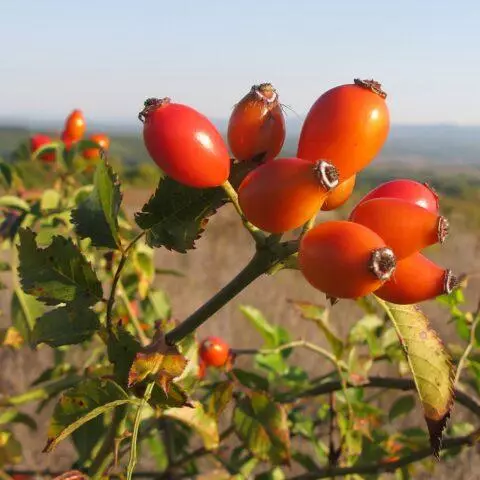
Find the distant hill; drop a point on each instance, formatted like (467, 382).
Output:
(415, 145)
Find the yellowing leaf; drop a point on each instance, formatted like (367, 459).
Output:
(195, 417)
(262, 425)
(429, 363)
(159, 360)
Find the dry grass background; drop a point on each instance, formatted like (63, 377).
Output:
(220, 254)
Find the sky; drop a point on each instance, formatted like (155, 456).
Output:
(107, 56)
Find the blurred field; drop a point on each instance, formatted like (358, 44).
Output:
(223, 251)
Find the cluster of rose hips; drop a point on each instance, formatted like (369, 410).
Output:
(73, 131)
(344, 130)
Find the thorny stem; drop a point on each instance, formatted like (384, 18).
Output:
(468, 350)
(263, 259)
(255, 232)
(136, 426)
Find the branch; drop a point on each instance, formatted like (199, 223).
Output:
(468, 350)
(377, 468)
(405, 384)
(295, 344)
(263, 259)
(255, 232)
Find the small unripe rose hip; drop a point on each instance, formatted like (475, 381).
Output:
(214, 352)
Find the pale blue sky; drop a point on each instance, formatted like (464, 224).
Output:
(107, 56)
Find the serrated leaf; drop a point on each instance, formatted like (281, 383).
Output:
(195, 417)
(87, 438)
(176, 397)
(219, 398)
(10, 449)
(58, 273)
(81, 404)
(122, 348)
(429, 363)
(401, 406)
(176, 215)
(66, 325)
(158, 360)
(319, 315)
(25, 310)
(262, 425)
(96, 217)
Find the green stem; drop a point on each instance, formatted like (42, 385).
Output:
(468, 350)
(255, 232)
(136, 426)
(104, 456)
(132, 316)
(295, 344)
(116, 279)
(258, 265)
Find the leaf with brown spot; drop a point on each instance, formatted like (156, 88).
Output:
(430, 364)
(263, 426)
(83, 403)
(158, 360)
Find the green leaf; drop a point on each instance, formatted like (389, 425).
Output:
(157, 450)
(96, 217)
(87, 438)
(402, 406)
(80, 404)
(176, 397)
(14, 416)
(274, 336)
(50, 200)
(429, 363)
(176, 215)
(219, 398)
(195, 417)
(57, 274)
(262, 425)
(10, 201)
(66, 325)
(6, 173)
(250, 379)
(319, 314)
(122, 348)
(275, 474)
(25, 310)
(10, 449)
